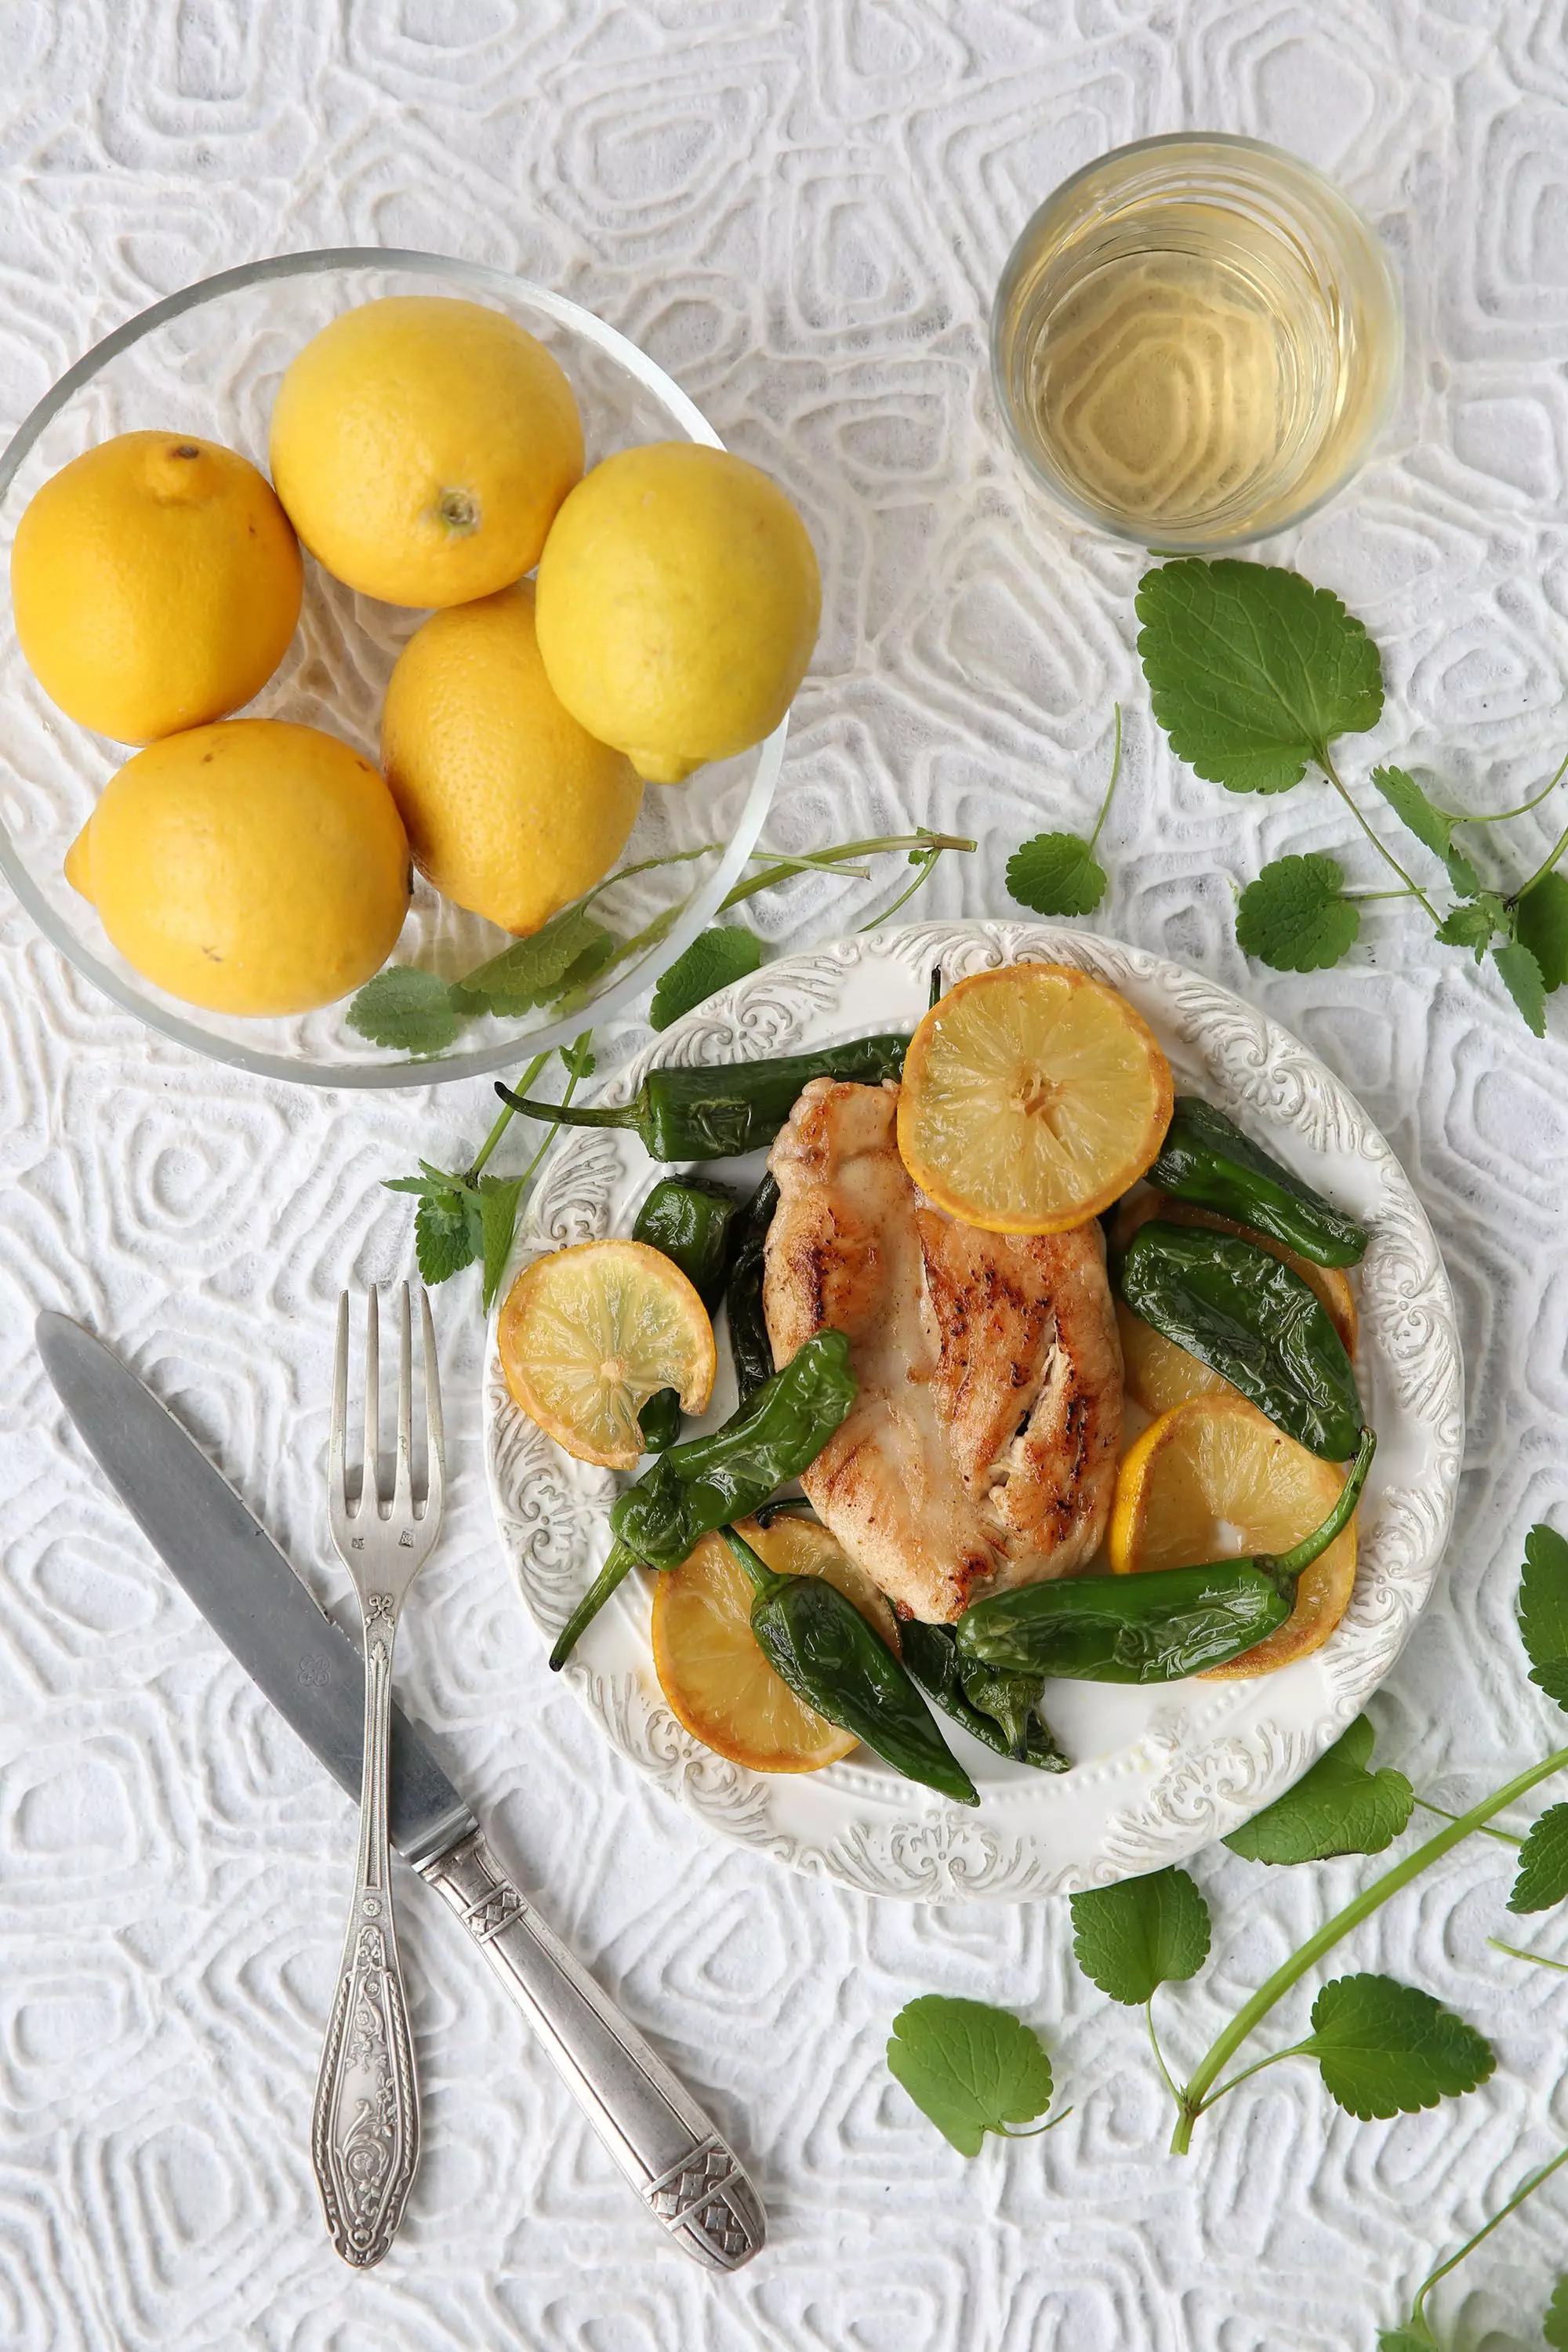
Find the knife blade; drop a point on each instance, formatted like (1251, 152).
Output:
(668, 2148)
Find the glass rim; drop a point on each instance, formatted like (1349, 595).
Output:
(1176, 542)
(441, 1069)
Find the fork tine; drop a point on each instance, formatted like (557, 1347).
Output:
(337, 1443)
(435, 1434)
(370, 1489)
(403, 1489)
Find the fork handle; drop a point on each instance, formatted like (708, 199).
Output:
(681, 2165)
(364, 2138)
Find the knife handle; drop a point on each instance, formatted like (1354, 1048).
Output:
(684, 2169)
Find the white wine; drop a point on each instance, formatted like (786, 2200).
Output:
(1196, 341)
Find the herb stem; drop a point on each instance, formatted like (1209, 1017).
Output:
(846, 851)
(508, 1115)
(1159, 2053)
(1256, 2067)
(1539, 1959)
(1290, 1973)
(1034, 2130)
(1501, 816)
(1326, 762)
(1503, 1837)
(1366, 898)
(1544, 869)
(1526, 2189)
(1115, 773)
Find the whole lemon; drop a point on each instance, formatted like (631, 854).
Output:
(679, 600)
(255, 866)
(512, 808)
(422, 445)
(156, 584)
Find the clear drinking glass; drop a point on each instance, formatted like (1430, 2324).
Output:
(1195, 340)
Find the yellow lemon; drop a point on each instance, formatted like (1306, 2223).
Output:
(589, 1333)
(156, 584)
(421, 446)
(679, 600)
(253, 866)
(512, 809)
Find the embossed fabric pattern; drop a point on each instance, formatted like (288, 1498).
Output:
(800, 212)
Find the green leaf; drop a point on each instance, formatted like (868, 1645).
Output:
(1555, 2327)
(539, 968)
(1295, 917)
(1146, 1932)
(578, 1059)
(1474, 924)
(1056, 873)
(1411, 2337)
(444, 1239)
(406, 1008)
(499, 1197)
(970, 2069)
(1388, 2049)
(1252, 670)
(714, 959)
(1544, 1610)
(1542, 927)
(1434, 827)
(1521, 976)
(1337, 1807)
(1542, 1863)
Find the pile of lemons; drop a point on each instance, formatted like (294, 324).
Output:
(426, 452)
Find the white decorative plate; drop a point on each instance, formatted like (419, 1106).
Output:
(1159, 1772)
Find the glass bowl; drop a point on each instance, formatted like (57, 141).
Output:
(208, 361)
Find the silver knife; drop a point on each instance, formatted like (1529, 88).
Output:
(682, 2167)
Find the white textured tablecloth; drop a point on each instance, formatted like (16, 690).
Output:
(800, 211)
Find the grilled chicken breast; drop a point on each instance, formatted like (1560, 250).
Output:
(981, 1451)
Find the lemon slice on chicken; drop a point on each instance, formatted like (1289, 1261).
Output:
(588, 1334)
(1031, 1099)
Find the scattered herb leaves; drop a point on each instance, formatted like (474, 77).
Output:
(1541, 926)
(1544, 1610)
(1130, 1938)
(1523, 979)
(970, 2069)
(1055, 873)
(1388, 2049)
(1433, 826)
(714, 959)
(1296, 917)
(1542, 1863)
(1475, 924)
(1336, 1807)
(408, 1010)
(1555, 2327)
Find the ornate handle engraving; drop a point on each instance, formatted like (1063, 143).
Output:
(365, 2134)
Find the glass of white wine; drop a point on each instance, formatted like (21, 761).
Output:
(1196, 341)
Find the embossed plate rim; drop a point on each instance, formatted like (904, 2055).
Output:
(1198, 1761)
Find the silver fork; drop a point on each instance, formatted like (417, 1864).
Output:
(365, 2133)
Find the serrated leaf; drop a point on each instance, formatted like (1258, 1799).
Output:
(1433, 826)
(1056, 873)
(1521, 978)
(1337, 1807)
(1474, 925)
(1542, 1877)
(435, 1186)
(410, 1010)
(1407, 2339)
(1146, 1932)
(1541, 926)
(539, 968)
(1544, 1610)
(970, 2069)
(714, 959)
(1462, 875)
(578, 1059)
(499, 1197)
(1295, 917)
(1555, 2327)
(1253, 672)
(1388, 2049)
(443, 1241)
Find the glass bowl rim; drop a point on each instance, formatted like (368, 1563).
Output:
(1177, 543)
(438, 1068)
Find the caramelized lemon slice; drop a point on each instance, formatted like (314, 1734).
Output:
(588, 1334)
(1031, 1099)
(710, 1668)
(1214, 1478)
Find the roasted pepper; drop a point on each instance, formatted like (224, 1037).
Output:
(1157, 1627)
(749, 1343)
(1247, 1316)
(690, 1219)
(816, 1641)
(717, 1114)
(659, 1420)
(1206, 1158)
(997, 1709)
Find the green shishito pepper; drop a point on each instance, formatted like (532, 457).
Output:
(688, 1219)
(1157, 1627)
(659, 1420)
(749, 1343)
(1253, 1321)
(996, 1707)
(816, 1641)
(1206, 1160)
(704, 1482)
(717, 1114)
